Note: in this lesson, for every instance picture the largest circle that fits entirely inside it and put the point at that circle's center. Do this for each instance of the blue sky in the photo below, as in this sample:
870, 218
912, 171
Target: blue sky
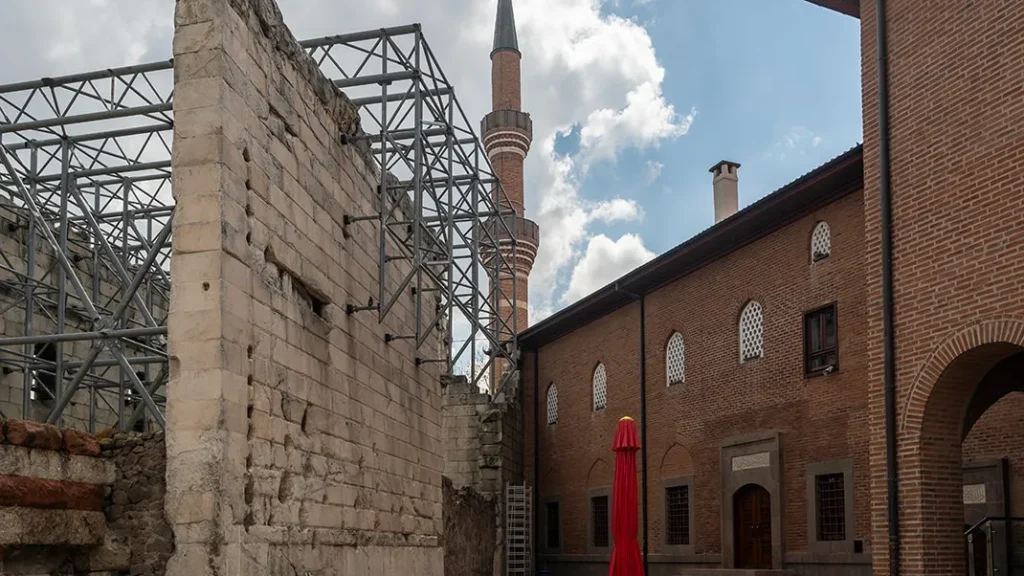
776, 87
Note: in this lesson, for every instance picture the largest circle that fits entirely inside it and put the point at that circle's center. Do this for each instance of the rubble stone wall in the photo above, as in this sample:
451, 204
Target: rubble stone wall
72, 503
469, 519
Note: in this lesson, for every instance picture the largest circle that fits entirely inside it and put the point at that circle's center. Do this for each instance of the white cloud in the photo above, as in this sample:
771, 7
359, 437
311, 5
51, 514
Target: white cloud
615, 210
581, 68
795, 142
645, 122
654, 171
604, 261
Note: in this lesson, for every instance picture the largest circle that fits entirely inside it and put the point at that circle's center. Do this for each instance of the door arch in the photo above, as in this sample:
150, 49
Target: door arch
752, 527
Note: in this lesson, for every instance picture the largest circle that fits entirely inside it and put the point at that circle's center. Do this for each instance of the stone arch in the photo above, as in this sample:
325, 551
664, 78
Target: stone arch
675, 462
600, 474
969, 336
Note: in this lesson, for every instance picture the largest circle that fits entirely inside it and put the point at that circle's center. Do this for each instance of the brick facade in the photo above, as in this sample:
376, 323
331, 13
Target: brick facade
957, 220
959, 325
820, 419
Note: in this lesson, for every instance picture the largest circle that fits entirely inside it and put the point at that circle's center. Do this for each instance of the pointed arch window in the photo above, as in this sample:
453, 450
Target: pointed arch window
675, 360
821, 242
751, 332
600, 388
552, 404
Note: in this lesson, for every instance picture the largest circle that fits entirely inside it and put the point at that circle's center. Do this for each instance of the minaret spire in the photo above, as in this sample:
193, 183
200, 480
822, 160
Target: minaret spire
505, 37
507, 134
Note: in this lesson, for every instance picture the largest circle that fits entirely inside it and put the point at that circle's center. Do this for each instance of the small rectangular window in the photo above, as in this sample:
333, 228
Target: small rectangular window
677, 509
830, 493
821, 340
554, 538
599, 514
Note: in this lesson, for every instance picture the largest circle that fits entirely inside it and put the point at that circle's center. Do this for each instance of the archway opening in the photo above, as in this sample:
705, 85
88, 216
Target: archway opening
992, 458
969, 463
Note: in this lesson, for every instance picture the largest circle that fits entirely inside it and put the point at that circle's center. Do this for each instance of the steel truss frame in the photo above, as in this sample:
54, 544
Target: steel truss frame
85, 177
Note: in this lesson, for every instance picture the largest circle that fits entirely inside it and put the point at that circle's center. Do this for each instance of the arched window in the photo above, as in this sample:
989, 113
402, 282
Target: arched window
675, 360
552, 404
751, 332
600, 388
821, 242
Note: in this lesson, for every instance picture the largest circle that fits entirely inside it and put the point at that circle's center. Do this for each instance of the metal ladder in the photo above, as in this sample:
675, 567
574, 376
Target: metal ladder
519, 514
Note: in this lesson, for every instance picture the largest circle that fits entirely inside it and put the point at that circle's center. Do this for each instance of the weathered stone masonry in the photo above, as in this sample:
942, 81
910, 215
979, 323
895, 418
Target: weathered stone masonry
483, 455
70, 503
298, 440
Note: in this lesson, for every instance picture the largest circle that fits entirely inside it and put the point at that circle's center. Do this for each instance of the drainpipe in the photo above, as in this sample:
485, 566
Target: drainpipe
643, 415
536, 454
885, 199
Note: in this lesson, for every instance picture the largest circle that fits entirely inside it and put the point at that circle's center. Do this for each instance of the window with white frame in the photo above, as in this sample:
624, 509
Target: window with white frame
821, 242
751, 332
675, 360
600, 388
552, 404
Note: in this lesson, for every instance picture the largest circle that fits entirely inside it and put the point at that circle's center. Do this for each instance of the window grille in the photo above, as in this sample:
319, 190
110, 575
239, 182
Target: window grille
677, 509
751, 332
552, 404
821, 242
831, 503
600, 388
675, 360
821, 341
599, 514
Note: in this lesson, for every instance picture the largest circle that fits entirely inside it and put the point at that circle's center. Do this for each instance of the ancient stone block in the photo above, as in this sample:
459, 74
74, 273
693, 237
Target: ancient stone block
32, 434
51, 494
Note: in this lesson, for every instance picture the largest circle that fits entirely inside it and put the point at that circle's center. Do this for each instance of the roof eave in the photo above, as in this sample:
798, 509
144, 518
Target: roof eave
839, 177
848, 7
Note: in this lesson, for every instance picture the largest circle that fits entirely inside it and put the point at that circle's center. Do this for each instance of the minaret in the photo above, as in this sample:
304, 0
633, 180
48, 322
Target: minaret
507, 133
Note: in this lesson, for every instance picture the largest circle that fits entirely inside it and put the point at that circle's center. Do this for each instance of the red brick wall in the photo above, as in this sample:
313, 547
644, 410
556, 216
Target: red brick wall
997, 435
956, 74
821, 419
576, 452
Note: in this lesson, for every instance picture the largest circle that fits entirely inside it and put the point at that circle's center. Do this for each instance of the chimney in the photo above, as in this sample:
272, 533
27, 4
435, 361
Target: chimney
726, 187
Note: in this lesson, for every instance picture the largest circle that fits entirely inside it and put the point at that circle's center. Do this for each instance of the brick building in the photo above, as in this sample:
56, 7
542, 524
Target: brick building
847, 346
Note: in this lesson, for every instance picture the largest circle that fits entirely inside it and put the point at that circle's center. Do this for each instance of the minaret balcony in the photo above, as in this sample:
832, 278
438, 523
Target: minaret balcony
507, 121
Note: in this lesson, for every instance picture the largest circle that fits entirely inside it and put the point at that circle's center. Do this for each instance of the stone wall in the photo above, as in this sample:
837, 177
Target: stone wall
483, 455
72, 503
298, 441
14, 242
51, 496
139, 539
468, 518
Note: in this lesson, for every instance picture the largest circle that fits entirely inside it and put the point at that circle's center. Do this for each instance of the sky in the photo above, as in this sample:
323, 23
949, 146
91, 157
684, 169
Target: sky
632, 101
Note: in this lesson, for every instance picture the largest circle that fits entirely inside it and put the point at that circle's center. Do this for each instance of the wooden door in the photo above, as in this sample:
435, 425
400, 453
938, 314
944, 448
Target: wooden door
752, 522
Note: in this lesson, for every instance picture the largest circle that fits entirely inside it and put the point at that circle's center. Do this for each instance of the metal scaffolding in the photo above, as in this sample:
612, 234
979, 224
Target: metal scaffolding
85, 187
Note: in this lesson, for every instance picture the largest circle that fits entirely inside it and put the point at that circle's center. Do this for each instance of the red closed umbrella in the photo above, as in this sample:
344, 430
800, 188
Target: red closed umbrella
626, 551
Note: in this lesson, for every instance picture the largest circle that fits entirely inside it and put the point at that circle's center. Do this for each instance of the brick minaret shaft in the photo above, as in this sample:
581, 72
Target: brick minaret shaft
507, 133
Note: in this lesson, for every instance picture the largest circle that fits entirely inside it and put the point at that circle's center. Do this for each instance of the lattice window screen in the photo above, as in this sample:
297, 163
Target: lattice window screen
821, 242
751, 332
600, 388
675, 360
552, 404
